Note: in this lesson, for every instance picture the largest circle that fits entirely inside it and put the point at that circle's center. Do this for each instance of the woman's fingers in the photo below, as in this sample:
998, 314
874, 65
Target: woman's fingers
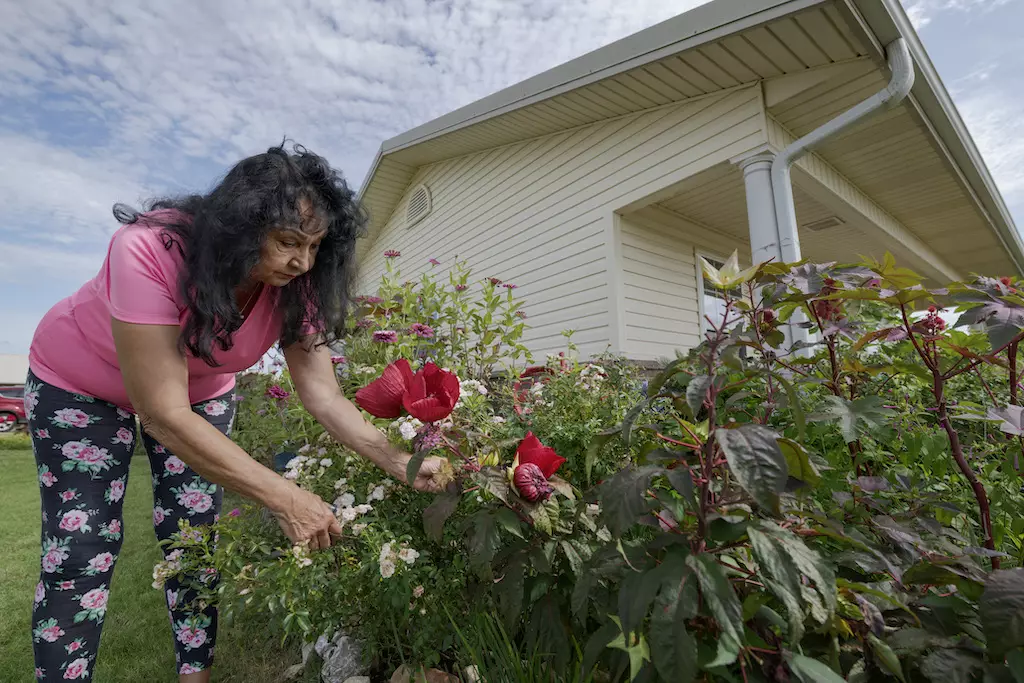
323, 539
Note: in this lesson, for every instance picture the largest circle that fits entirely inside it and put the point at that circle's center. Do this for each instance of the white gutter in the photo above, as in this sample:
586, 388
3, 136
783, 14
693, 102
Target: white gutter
901, 67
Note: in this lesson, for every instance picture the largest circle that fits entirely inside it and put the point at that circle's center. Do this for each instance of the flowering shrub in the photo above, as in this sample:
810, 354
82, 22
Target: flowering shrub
842, 511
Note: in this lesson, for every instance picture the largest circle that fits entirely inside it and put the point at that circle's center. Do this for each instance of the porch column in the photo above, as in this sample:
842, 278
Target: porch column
764, 229
765, 244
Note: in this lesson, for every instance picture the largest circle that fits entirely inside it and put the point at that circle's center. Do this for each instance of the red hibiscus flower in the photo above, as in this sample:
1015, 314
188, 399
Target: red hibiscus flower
432, 394
383, 396
532, 452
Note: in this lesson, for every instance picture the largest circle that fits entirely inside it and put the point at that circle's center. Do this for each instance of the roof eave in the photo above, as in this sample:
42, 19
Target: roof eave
885, 21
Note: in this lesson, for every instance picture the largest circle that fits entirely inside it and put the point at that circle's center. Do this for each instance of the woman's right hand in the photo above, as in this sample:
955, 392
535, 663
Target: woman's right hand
306, 518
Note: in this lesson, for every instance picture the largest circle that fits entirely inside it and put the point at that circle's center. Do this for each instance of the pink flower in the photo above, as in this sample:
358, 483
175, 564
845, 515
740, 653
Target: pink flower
391, 253
461, 288
74, 646
521, 315
66, 586
363, 323
71, 449
338, 360
198, 638
40, 673
159, 514
509, 286
494, 281
71, 416
192, 636
172, 598
234, 513
197, 501
95, 599
189, 669
102, 562
159, 449
116, 491
53, 559
174, 465
40, 592
51, 633
385, 336
421, 330
42, 433
47, 479
434, 262
77, 669
215, 408
73, 520
277, 392
114, 526
124, 435
67, 495
237, 397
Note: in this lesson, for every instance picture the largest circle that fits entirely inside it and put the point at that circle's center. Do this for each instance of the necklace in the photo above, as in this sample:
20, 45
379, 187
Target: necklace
244, 306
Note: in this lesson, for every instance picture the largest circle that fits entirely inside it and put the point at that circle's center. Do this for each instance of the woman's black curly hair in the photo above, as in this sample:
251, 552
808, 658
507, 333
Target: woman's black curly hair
221, 234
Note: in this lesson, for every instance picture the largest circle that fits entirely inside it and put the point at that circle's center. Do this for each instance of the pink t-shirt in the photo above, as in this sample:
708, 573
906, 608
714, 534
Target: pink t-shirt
73, 346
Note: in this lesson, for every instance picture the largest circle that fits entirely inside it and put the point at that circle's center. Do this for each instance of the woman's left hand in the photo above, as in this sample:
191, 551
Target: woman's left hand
426, 479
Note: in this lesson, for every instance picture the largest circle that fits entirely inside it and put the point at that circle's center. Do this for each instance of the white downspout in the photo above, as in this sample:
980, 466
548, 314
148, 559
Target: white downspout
901, 67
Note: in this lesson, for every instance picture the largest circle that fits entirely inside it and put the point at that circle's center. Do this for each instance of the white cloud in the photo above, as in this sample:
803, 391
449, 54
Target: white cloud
993, 117
921, 12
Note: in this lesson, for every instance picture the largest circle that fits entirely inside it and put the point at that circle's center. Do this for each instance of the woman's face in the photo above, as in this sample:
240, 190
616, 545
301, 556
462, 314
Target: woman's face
289, 252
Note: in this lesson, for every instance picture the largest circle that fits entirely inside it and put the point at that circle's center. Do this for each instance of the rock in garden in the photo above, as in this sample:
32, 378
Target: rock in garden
342, 660
358, 679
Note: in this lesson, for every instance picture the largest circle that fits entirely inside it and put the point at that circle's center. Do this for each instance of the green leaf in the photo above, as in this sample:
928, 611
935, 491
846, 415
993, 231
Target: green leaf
636, 593
1002, 611
950, 666
597, 644
756, 461
673, 649
799, 417
697, 393
723, 604
682, 481
575, 561
886, 658
623, 497
483, 539
810, 564
412, 469
781, 577
438, 512
1015, 661
854, 417
635, 648
509, 522
630, 419
799, 462
658, 381
508, 591
595, 447
809, 670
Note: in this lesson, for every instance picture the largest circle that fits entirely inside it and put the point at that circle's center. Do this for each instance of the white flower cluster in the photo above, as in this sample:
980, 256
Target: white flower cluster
313, 465
301, 555
366, 370
389, 558
591, 377
469, 386
407, 426
166, 569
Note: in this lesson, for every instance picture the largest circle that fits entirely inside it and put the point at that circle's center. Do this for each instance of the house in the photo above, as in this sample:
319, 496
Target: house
13, 368
594, 186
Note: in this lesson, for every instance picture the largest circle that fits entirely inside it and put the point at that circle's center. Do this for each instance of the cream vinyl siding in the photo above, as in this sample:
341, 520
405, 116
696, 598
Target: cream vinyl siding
660, 295
538, 213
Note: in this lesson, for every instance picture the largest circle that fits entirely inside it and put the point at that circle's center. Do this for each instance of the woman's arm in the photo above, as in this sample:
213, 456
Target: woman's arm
313, 373
155, 374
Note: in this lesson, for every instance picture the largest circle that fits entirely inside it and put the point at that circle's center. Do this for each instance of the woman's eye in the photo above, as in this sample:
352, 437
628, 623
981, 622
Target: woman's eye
289, 245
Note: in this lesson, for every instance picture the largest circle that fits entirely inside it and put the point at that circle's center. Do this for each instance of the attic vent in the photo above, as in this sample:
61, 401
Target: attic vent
418, 207
823, 224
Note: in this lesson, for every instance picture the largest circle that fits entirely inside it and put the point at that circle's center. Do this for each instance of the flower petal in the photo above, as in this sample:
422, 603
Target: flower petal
383, 397
532, 451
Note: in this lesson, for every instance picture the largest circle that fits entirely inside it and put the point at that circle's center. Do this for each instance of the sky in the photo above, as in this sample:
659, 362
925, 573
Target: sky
105, 101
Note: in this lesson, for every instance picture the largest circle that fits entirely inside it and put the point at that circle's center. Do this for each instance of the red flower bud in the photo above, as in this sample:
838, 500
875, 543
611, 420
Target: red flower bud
531, 483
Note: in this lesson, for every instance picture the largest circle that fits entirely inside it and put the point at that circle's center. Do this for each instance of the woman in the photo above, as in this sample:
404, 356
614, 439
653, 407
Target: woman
190, 293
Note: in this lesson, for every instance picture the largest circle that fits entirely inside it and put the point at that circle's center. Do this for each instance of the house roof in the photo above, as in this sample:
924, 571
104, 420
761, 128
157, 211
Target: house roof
727, 44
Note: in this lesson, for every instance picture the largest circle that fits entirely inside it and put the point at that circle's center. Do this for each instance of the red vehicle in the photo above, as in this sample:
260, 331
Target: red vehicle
12, 407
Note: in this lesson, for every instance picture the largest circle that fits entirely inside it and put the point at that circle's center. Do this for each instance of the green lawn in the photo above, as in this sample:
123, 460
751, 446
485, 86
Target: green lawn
137, 644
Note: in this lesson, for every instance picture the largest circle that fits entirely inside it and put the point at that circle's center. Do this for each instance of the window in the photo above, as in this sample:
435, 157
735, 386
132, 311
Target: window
12, 392
711, 299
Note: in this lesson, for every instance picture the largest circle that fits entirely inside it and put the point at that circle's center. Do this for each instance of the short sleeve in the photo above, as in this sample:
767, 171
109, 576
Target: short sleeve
142, 278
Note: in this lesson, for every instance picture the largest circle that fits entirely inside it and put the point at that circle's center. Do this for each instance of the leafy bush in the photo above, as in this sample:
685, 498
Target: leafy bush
847, 509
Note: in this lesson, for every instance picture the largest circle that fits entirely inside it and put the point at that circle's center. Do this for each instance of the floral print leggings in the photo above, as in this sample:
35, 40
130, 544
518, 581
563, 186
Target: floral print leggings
83, 447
